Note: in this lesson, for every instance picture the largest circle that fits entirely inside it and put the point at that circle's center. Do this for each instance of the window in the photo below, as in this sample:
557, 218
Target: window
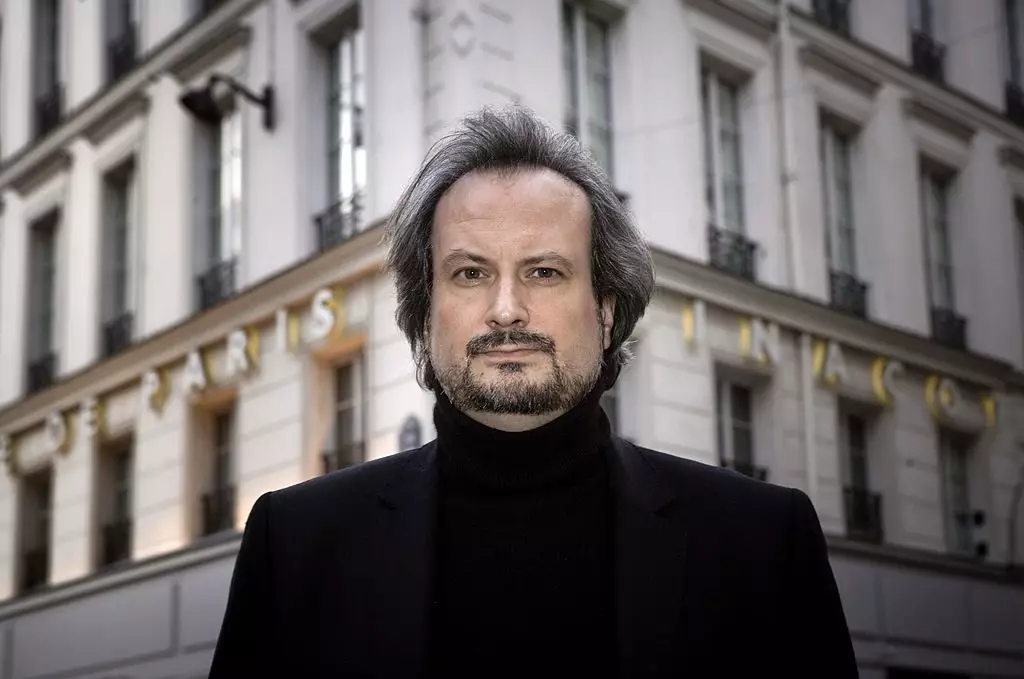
219, 500
956, 503
118, 208
220, 208
346, 161
935, 210
345, 444
115, 500
46, 29
36, 511
120, 19
863, 507
1014, 11
923, 17
42, 290
837, 194
587, 75
734, 403
722, 154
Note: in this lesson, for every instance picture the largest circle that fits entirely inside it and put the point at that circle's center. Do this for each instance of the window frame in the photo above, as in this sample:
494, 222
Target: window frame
346, 116
1013, 15
712, 85
119, 195
43, 269
578, 71
352, 405
725, 390
831, 140
959, 533
46, 46
937, 233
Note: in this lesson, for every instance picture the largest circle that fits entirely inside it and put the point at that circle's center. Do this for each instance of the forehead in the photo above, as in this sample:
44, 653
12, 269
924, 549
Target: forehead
529, 207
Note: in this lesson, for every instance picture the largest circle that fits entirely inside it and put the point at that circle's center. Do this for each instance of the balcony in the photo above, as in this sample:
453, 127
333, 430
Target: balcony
949, 328
117, 334
42, 372
219, 510
927, 56
863, 515
731, 252
848, 294
121, 54
48, 108
747, 469
117, 542
1015, 103
833, 14
216, 284
339, 222
206, 6
35, 564
342, 456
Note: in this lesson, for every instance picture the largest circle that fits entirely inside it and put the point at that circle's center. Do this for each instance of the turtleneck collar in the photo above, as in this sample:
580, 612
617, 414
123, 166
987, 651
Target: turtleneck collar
476, 459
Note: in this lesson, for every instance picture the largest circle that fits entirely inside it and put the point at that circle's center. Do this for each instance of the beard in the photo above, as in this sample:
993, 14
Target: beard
512, 392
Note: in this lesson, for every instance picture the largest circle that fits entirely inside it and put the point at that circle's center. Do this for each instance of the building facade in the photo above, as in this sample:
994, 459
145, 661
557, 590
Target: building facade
192, 309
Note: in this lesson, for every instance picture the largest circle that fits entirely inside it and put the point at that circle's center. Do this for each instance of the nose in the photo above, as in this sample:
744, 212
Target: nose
508, 307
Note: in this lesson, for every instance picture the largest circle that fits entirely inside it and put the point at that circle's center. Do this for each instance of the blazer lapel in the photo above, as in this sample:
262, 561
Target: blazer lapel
401, 560
650, 546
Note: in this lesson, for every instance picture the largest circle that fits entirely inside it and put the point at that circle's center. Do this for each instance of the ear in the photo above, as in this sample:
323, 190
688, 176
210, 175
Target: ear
607, 312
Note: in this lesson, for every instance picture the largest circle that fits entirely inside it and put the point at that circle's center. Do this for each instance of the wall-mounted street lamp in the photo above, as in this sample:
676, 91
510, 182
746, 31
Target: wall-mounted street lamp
204, 106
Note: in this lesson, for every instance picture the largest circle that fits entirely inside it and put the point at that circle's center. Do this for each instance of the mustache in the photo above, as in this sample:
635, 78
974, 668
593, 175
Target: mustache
521, 339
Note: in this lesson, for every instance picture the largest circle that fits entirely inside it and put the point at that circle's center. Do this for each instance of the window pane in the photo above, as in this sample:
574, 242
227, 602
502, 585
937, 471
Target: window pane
570, 68
709, 154
742, 444
343, 387
740, 404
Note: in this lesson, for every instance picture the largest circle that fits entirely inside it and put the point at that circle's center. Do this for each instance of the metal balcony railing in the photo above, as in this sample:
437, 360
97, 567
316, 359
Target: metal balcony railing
747, 469
1015, 102
731, 252
42, 371
833, 14
949, 328
35, 564
48, 108
219, 510
216, 284
342, 456
117, 333
339, 222
122, 53
927, 56
863, 514
848, 294
117, 541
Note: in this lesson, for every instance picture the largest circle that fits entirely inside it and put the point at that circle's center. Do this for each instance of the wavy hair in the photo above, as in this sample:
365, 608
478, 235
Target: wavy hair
508, 140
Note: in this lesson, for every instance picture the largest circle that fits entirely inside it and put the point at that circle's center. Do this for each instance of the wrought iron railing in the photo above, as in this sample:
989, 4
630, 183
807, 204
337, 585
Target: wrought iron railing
216, 284
48, 109
117, 333
117, 541
848, 294
731, 252
219, 510
1015, 102
339, 222
927, 56
863, 514
122, 53
949, 328
342, 456
34, 566
747, 469
833, 14
42, 371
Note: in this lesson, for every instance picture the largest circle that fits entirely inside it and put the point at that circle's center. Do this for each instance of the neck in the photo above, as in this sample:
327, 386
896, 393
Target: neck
559, 447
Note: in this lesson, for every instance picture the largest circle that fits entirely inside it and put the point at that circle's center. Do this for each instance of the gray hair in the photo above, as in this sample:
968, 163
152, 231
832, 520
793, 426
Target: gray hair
508, 140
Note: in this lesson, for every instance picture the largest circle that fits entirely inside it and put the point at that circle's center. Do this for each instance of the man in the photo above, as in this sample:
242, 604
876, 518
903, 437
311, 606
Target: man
527, 540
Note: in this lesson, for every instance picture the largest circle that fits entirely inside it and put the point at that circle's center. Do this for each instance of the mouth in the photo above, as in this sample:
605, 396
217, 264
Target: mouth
509, 353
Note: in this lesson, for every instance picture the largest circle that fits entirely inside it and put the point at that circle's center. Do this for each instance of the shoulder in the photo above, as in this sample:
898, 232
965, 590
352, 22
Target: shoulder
723, 492
352, 485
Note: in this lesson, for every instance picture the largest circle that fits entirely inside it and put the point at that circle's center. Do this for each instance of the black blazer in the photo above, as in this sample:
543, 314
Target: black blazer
716, 575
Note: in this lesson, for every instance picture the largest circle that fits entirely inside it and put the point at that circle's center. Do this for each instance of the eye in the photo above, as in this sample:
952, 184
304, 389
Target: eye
546, 273
469, 274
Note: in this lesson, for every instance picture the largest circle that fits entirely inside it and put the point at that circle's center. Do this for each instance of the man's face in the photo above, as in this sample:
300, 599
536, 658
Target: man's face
514, 325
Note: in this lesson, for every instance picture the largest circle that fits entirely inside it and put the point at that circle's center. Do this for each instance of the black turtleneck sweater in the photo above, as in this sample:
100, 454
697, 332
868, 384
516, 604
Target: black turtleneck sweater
524, 583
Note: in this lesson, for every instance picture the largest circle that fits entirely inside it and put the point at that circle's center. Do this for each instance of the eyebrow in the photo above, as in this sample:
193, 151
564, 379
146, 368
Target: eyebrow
546, 257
